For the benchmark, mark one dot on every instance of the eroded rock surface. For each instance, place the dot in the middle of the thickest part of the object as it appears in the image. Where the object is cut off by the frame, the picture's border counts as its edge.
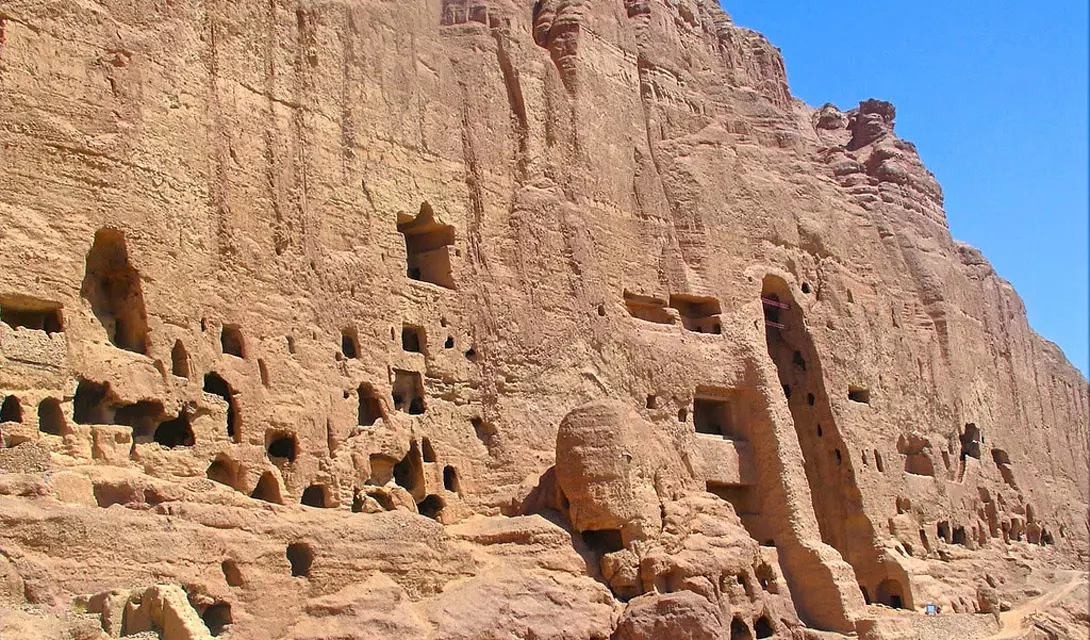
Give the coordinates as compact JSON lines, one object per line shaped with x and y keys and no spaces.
{"x":492,"y":319}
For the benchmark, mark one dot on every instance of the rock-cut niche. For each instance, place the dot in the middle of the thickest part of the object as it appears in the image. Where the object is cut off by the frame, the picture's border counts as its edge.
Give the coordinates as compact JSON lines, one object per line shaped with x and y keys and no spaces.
{"x":427,"y":246}
{"x":112,"y":285}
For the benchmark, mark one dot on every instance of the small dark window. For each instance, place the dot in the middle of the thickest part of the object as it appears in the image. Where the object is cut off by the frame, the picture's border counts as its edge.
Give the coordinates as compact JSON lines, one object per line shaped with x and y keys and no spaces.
{"x":604,"y":541}
{"x":798,"y":360}
{"x":217,"y":386}
{"x":449,"y":344}
{"x":291,"y":344}
{"x":412,"y":339}
{"x":820,"y":432}
{"x":858,"y":394}
{"x":427,"y":247}
{"x":217,"y":618}
{"x":450,"y":480}
{"x":370,"y":409}
{"x":602,"y":311}
{"x":315,"y":496}
{"x":652,"y":402}
{"x":471,"y":354}
{"x":349,"y":343}
{"x":430,"y":506}
{"x":175,"y":433}
{"x":11,"y":410}
{"x":231,"y":341}
{"x":714,"y":416}
{"x":282,"y":448}
{"x":810,"y":399}
{"x":50,"y":417}
{"x":806,"y":287}
{"x":682,"y":415}
{"x":301,"y":557}
{"x":90,"y":405}
{"x":763,"y":627}
{"x":839,"y":457}
{"x":739,"y":630}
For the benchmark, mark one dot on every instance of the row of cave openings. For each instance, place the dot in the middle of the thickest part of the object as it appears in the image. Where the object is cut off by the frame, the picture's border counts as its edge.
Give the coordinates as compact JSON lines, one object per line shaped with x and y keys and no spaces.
{"x":408,"y":473}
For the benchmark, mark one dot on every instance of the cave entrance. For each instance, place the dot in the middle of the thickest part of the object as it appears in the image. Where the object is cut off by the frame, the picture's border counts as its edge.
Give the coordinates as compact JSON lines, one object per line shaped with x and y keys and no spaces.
{"x":427,"y":245}
{"x":112,"y":285}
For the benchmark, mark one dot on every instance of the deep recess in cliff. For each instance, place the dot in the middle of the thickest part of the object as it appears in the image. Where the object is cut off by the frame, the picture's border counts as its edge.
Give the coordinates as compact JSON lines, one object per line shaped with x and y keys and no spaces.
{"x":473,"y":319}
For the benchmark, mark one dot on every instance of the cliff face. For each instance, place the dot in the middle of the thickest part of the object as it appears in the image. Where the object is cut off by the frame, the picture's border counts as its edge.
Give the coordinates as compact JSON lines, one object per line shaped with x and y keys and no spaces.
{"x":496,"y":319}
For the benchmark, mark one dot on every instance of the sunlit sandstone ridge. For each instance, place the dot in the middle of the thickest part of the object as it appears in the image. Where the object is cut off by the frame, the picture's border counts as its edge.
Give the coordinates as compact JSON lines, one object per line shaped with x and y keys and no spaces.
{"x":475,"y":319}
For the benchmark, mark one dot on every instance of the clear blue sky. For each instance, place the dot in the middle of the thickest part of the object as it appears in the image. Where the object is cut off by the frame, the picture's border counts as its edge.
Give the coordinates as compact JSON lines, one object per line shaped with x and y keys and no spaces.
{"x":994,"y":94}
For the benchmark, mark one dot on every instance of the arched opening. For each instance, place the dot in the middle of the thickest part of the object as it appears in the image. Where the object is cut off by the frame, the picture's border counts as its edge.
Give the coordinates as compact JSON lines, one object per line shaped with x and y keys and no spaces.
{"x":890,"y":593}
{"x":450,"y":480}
{"x":112,"y":286}
{"x":179,"y":360}
{"x":217,"y":618}
{"x":942,"y":530}
{"x":449,"y":344}
{"x":231,"y":573}
{"x":231,"y":341}
{"x":90,"y":404}
{"x":835,"y":496}
{"x":409,"y":472}
{"x":763,"y":628}
{"x":176,"y":432}
{"x":301,"y":557}
{"x":267,"y":489}
{"x":217,"y":386}
{"x":350,"y":344}
{"x":281,"y":447}
{"x":370,"y":409}
{"x":316,"y":496}
{"x":427,"y":247}
{"x":223,"y":471}
{"x":959,"y":536}
{"x":740,"y":630}
{"x":50,"y":417}
{"x":11,"y":410}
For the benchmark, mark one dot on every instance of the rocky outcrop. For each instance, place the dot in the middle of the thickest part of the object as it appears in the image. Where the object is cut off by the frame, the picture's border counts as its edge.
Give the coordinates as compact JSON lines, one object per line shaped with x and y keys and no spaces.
{"x":491,"y":319}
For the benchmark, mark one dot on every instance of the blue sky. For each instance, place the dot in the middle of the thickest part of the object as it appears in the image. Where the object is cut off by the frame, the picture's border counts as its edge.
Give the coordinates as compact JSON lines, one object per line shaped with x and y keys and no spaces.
{"x":994,"y":94}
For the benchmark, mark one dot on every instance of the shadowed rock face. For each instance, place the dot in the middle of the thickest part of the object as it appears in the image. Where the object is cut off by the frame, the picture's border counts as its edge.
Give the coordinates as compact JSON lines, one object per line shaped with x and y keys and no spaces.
{"x":489,"y":319}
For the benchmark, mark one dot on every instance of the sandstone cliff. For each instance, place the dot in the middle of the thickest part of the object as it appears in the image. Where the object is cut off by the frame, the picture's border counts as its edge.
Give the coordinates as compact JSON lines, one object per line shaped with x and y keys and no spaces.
{"x":494,"y":319}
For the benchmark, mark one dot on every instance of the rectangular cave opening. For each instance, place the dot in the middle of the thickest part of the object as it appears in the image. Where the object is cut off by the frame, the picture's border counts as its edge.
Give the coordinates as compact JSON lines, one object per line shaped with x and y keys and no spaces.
{"x":29,"y":313}
{"x":603,"y":541}
{"x":408,"y":393}
{"x":648,"y":308}
{"x":427,"y":246}
{"x":699,"y":314}
{"x":859,"y":395}
{"x":715,"y":413}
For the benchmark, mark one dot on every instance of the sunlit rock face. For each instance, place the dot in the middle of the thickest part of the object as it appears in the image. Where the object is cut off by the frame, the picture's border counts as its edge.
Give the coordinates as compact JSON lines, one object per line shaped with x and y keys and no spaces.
{"x":492,"y":319}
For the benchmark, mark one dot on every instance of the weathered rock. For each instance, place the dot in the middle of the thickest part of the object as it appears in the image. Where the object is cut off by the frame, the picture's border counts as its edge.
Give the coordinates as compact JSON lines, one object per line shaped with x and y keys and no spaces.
{"x":477,"y":318}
